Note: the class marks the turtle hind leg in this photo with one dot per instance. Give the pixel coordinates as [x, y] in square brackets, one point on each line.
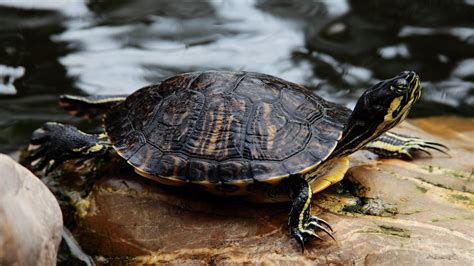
[392, 145]
[55, 143]
[302, 224]
[89, 107]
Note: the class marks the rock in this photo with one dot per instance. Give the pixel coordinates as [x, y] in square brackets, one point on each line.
[70, 253]
[30, 218]
[385, 211]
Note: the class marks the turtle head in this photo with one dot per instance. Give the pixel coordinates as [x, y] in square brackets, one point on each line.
[380, 108]
[387, 103]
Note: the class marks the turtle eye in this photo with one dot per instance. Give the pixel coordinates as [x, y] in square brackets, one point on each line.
[397, 89]
[401, 84]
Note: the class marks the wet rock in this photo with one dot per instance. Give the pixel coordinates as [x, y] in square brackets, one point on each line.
[70, 253]
[386, 211]
[30, 218]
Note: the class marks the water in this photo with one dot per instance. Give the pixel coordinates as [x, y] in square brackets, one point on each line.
[335, 47]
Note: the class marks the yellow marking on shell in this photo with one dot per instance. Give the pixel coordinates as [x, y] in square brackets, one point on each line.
[51, 163]
[334, 175]
[202, 141]
[271, 128]
[170, 181]
[275, 180]
[85, 99]
[271, 136]
[215, 133]
[148, 157]
[176, 164]
[305, 207]
[227, 128]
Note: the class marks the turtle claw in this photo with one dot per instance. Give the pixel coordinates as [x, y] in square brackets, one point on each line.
[436, 146]
[319, 220]
[308, 230]
[314, 223]
[35, 151]
[38, 164]
[38, 136]
[413, 145]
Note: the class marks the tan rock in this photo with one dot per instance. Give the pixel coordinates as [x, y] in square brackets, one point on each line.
[30, 217]
[386, 212]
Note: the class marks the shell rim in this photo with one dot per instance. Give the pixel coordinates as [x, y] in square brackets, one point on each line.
[273, 179]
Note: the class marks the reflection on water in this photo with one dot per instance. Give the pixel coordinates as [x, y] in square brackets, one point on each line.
[336, 48]
[223, 35]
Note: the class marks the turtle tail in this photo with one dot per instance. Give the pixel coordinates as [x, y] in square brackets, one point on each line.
[89, 107]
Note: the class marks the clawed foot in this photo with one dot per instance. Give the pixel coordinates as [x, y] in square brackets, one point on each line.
[391, 145]
[44, 152]
[55, 143]
[303, 225]
[307, 230]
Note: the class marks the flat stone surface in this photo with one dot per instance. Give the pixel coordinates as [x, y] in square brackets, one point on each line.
[30, 217]
[385, 212]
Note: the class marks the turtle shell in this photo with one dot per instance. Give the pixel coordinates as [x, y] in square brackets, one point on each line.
[230, 127]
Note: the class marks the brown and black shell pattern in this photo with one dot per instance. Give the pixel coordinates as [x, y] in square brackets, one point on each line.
[220, 127]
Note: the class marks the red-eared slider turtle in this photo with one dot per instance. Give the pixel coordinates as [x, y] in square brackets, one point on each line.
[239, 133]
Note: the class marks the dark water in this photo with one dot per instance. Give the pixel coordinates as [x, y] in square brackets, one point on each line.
[337, 48]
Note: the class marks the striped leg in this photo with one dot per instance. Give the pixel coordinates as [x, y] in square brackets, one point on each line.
[391, 145]
[302, 224]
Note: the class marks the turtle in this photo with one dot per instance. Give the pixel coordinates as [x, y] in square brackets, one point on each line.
[241, 134]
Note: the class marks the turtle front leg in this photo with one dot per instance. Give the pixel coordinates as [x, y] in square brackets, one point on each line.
[302, 224]
[392, 145]
[55, 143]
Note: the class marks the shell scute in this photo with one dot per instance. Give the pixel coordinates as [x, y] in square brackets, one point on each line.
[233, 170]
[146, 157]
[200, 170]
[172, 166]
